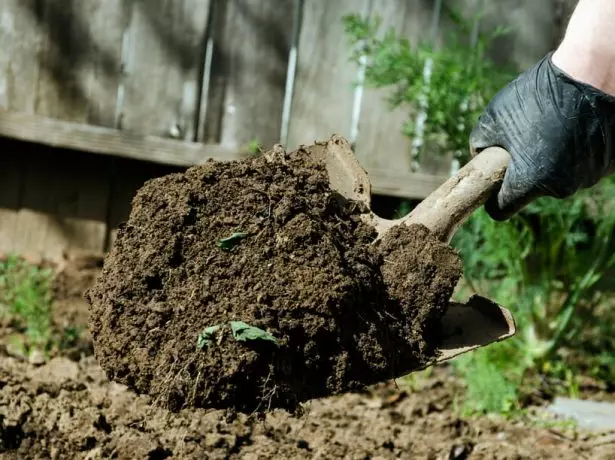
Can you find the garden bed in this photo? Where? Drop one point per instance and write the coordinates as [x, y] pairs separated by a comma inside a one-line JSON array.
[[67, 408]]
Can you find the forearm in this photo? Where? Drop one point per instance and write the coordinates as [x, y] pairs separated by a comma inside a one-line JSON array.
[[587, 52]]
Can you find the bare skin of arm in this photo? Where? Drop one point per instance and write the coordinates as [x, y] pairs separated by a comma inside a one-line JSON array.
[[587, 52]]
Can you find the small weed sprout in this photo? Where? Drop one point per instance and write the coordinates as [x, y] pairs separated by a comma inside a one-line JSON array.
[[241, 332], [254, 147], [230, 242], [25, 295]]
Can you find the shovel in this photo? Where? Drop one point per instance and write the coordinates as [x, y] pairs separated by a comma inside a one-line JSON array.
[[466, 326]]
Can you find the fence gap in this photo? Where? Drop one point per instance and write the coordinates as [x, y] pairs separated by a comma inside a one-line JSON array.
[[291, 72], [203, 91]]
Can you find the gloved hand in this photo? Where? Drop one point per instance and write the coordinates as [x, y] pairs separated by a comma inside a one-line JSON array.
[[560, 134]]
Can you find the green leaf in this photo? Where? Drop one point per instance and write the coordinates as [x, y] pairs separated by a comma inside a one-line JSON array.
[[230, 242], [206, 336], [243, 332]]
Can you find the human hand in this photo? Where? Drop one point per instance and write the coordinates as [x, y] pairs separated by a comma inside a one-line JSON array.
[[559, 131]]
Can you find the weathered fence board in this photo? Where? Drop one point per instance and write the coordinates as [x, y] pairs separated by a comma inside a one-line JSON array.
[[380, 142], [175, 82], [96, 139], [18, 80], [251, 45], [63, 210], [68, 60], [19, 67], [162, 63], [10, 195], [324, 88], [79, 59], [533, 30]]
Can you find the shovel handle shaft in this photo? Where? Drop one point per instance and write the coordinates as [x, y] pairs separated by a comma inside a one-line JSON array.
[[448, 207]]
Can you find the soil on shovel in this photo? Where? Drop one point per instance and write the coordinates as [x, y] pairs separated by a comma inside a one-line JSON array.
[[251, 285]]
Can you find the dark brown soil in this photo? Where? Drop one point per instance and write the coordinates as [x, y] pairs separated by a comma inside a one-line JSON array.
[[344, 314], [67, 409]]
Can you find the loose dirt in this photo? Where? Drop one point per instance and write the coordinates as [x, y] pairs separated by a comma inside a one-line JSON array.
[[68, 409], [299, 265]]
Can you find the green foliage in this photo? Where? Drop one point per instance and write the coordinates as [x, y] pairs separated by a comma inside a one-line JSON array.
[[243, 332], [254, 147], [462, 80], [205, 337], [403, 210], [25, 296], [544, 264], [230, 242], [488, 390]]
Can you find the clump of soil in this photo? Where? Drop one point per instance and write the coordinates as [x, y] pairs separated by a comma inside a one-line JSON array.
[[264, 241]]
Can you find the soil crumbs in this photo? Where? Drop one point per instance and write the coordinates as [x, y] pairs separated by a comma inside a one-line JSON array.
[[251, 285], [68, 409]]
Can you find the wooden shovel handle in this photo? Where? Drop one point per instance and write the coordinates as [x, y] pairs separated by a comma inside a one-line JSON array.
[[444, 210]]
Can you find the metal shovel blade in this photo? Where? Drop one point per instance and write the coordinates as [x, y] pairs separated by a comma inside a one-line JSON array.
[[466, 327]]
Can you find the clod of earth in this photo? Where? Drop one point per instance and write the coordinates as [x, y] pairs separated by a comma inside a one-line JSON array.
[[300, 305]]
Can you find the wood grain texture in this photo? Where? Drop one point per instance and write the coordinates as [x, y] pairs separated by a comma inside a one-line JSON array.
[[79, 59], [95, 139], [11, 166], [163, 54], [534, 28], [19, 54], [74, 60], [62, 204], [252, 41], [380, 143], [324, 87], [403, 184], [19, 73]]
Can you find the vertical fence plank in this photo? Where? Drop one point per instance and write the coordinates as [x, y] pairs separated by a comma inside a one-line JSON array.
[[63, 204], [64, 196], [163, 61], [79, 59], [11, 165], [324, 87], [251, 45], [19, 66], [533, 29], [380, 142], [19, 71]]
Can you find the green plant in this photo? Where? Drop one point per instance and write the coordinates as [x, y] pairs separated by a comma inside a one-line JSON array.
[[25, 295], [254, 147], [230, 242], [241, 332], [462, 80], [404, 208], [545, 265]]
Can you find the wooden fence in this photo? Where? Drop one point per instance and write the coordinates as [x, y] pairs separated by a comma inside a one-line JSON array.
[[97, 96]]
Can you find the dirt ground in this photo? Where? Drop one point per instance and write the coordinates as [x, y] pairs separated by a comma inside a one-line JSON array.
[[67, 409]]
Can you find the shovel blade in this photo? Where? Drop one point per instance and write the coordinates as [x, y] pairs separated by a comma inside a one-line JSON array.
[[475, 324]]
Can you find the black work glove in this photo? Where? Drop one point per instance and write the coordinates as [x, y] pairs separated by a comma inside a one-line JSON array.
[[559, 132]]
